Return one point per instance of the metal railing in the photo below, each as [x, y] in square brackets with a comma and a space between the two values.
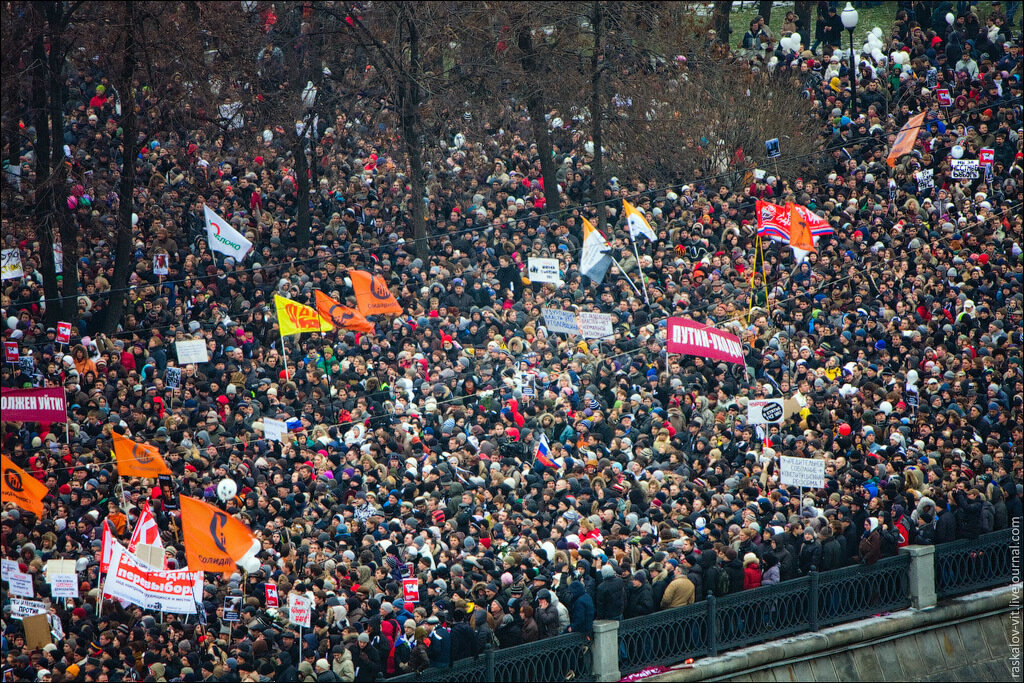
[762, 614]
[967, 566]
[563, 658]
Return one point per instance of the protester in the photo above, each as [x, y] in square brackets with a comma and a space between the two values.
[412, 451]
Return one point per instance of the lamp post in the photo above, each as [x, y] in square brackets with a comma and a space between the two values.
[849, 18]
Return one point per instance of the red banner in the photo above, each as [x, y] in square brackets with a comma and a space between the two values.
[34, 405]
[690, 338]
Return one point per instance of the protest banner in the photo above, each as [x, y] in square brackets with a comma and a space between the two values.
[273, 429]
[986, 156]
[63, 333]
[10, 264]
[765, 411]
[34, 405]
[690, 338]
[271, 591]
[563, 322]
[21, 608]
[299, 610]
[233, 608]
[161, 266]
[925, 179]
[595, 325]
[802, 472]
[964, 169]
[172, 378]
[411, 590]
[191, 351]
[20, 584]
[11, 353]
[64, 586]
[162, 590]
[543, 270]
[55, 567]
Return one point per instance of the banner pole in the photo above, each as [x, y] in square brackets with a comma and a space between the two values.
[284, 358]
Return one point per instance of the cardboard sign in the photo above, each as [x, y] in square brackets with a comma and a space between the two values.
[10, 264]
[964, 169]
[300, 610]
[172, 378]
[595, 325]
[986, 156]
[411, 590]
[11, 353]
[63, 333]
[21, 584]
[55, 567]
[37, 631]
[168, 492]
[28, 366]
[160, 264]
[772, 149]
[766, 411]
[64, 586]
[543, 270]
[945, 99]
[925, 179]
[274, 430]
[191, 351]
[804, 472]
[271, 590]
[932, 78]
[563, 322]
[58, 257]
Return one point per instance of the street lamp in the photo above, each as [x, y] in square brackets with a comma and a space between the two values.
[849, 18]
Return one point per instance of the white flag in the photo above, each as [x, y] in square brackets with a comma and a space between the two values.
[638, 225]
[224, 238]
[594, 258]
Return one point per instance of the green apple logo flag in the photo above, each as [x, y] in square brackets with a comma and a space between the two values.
[224, 238]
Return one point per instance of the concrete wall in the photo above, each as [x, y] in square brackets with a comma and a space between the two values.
[964, 639]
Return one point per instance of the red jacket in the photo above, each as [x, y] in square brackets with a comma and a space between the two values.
[751, 576]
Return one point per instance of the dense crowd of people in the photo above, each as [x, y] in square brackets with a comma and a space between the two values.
[897, 343]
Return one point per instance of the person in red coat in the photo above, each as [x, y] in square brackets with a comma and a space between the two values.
[751, 571]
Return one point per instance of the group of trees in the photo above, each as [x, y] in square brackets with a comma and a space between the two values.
[629, 83]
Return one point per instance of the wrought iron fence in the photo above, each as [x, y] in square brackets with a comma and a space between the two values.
[563, 658]
[970, 565]
[855, 592]
[761, 614]
[663, 638]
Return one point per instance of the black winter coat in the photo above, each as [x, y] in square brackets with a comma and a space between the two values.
[611, 595]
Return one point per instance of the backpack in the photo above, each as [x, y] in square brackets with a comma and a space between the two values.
[722, 583]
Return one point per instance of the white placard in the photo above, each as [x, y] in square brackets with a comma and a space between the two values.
[10, 264]
[805, 472]
[161, 264]
[560, 321]
[925, 179]
[299, 610]
[21, 584]
[766, 411]
[58, 257]
[55, 567]
[274, 430]
[64, 586]
[596, 325]
[543, 270]
[8, 566]
[964, 169]
[191, 351]
[26, 608]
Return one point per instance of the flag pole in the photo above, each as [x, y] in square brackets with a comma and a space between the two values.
[621, 270]
[643, 280]
[284, 358]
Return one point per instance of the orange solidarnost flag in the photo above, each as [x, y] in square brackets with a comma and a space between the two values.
[372, 294]
[906, 139]
[342, 316]
[21, 488]
[136, 459]
[214, 540]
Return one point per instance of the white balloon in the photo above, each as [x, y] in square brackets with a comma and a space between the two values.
[957, 151]
[135, 219]
[796, 39]
[877, 55]
[226, 489]
[876, 32]
[12, 322]
[268, 136]
[250, 565]
[950, 18]
[885, 407]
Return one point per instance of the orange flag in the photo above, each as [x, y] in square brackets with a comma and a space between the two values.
[372, 294]
[214, 540]
[136, 459]
[22, 489]
[906, 139]
[341, 316]
[799, 231]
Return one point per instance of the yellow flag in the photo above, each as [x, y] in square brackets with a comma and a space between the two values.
[295, 318]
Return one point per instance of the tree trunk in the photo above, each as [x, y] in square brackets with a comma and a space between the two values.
[303, 219]
[65, 222]
[536, 109]
[803, 12]
[126, 188]
[410, 91]
[764, 8]
[597, 116]
[720, 20]
[43, 204]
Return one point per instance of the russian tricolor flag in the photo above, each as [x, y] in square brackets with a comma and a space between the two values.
[543, 455]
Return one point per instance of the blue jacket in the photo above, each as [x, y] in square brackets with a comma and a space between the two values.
[581, 616]
[440, 648]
